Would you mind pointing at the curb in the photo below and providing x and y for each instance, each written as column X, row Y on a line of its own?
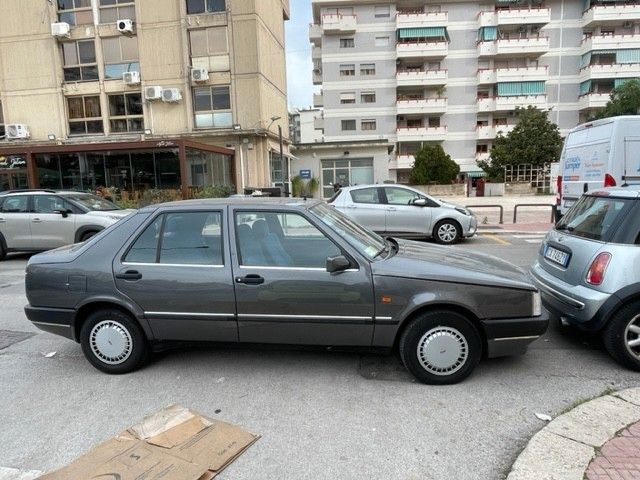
column 564, row 448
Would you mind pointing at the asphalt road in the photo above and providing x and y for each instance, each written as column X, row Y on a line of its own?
column 322, row 415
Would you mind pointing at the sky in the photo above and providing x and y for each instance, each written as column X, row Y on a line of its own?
column 299, row 64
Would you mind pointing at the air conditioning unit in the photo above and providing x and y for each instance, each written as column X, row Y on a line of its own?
column 171, row 95
column 199, row 74
column 16, row 131
column 60, row 30
column 131, row 78
column 125, row 25
column 153, row 93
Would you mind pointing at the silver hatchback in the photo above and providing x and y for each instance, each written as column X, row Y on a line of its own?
column 588, row 269
column 401, row 211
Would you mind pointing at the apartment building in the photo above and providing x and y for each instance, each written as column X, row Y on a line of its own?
column 411, row 72
column 142, row 94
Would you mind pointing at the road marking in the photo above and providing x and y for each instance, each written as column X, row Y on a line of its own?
column 536, row 241
column 496, row 239
column 529, row 236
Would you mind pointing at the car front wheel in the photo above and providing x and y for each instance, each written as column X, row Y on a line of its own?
column 447, row 232
column 440, row 347
column 113, row 342
column 87, row 236
column 622, row 336
column 2, row 252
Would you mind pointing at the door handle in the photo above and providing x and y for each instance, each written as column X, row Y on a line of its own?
column 251, row 279
column 351, row 206
column 391, row 209
column 36, row 220
column 130, row 275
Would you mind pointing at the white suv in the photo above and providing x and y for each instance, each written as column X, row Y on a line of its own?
column 36, row 220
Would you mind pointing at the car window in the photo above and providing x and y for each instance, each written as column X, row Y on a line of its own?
column 48, row 204
column 400, row 196
column 92, row 202
column 594, row 217
column 187, row 238
column 365, row 195
column 278, row 239
column 16, row 204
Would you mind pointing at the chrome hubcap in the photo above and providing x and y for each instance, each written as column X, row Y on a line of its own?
column 632, row 336
column 111, row 342
column 443, row 351
column 447, row 232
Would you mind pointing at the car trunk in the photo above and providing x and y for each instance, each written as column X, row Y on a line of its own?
column 581, row 252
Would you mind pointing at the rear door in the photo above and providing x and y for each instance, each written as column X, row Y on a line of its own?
column 49, row 228
column 15, row 224
column 402, row 216
column 365, row 206
column 178, row 270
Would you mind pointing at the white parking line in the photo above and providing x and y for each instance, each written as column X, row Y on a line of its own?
column 15, row 474
column 530, row 236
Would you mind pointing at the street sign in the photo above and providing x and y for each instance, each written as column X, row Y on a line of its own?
column 305, row 174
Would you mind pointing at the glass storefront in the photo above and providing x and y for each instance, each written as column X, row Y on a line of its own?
column 208, row 168
column 357, row 171
column 13, row 172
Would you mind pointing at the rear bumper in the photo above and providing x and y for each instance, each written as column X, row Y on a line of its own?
column 512, row 336
column 59, row 321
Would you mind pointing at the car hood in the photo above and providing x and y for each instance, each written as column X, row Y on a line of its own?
column 111, row 214
column 428, row 261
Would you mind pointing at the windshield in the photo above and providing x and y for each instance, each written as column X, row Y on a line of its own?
column 92, row 202
column 366, row 242
column 594, row 217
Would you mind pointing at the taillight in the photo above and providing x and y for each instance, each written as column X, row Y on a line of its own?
column 559, row 185
column 595, row 275
column 609, row 181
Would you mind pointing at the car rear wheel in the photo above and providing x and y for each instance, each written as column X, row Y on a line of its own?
column 622, row 336
column 86, row 236
column 440, row 347
column 113, row 342
column 447, row 232
column 2, row 252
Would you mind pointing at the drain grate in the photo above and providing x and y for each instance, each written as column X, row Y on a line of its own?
column 9, row 337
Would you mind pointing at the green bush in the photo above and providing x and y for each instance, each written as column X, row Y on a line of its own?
column 126, row 204
column 215, row 191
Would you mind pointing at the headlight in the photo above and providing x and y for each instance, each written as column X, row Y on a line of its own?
column 536, row 302
column 463, row 211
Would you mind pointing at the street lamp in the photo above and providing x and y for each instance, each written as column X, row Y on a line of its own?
column 273, row 119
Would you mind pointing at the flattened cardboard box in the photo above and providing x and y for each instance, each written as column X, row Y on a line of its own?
column 172, row 444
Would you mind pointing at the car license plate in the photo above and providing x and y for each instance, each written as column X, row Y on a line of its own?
column 556, row 256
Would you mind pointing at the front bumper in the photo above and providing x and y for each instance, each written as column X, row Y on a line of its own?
column 471, row 230
column 512, row 336
column 59, row 321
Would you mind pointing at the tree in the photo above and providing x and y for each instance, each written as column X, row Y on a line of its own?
column 433, row 165
column 625, row 100
column 534, row 140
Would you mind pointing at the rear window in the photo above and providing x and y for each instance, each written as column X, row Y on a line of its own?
column 595, row 217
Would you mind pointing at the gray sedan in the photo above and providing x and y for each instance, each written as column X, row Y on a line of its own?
column 402, row 211
column 279, row 271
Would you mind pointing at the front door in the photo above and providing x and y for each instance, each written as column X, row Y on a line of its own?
column 402, row 216
column 49, row 228
column 14, row 222
column 178, row 271
column 284, row 293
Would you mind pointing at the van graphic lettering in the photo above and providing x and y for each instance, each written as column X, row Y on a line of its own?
column 572, row 163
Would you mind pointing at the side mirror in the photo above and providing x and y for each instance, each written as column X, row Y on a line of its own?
column 337, row 264
column 420, row 202
column 63, row 212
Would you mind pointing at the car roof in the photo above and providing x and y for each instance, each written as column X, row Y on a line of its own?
column 630, row 191
column 37, row 191
column 374, row 185
column 244, row 201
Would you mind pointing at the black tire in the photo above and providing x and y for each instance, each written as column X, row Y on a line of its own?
column 447, row 232
column 118, row 329
column 2, row 252
column 456, row 331
column 616, row 336
column 86, row 236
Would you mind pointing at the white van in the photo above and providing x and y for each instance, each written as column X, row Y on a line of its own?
column 602, row 153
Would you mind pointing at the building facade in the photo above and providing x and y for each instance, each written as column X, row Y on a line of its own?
column 142, row 94
column 455, row 71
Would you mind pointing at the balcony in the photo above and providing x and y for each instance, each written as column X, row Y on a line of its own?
column 318, row 100
column 593, row 100
column 409, row 78
column 316, row 53
column 524, row 16
column 482, row 156
column 610, row 42
column 409, row 134
column 318, row 122
column 338, row 24
column 317, row 76
column 611, row 13
column 422, row 49
column 488, row 18
column 489, row 132
column 513, row 46
column 315, row 34
column 617, row 70
column 421, row 105
column 402, row 162
column 487, row 75
column 486, row 104
column 524, row 74
column 511, row 103
column 419, row 19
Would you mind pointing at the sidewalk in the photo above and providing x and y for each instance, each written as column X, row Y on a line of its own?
column 597, row 440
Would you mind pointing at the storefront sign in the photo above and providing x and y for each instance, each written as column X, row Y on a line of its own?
column 305, row 174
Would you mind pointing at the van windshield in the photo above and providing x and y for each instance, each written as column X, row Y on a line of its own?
column 595, row 217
